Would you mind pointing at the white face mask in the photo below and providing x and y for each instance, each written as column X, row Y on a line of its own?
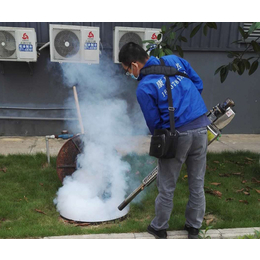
column 132, row 75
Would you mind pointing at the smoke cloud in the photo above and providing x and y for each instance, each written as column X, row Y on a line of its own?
column 94, row 191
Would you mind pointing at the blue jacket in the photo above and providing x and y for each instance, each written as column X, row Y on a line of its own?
column 186, row 93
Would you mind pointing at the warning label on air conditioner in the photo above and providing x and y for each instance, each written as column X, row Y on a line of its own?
column 26, row 47
column 90, row 46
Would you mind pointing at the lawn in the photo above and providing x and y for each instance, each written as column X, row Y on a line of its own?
column 28, row 186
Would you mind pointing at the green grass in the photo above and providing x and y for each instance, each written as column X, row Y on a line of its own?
column 29, row 185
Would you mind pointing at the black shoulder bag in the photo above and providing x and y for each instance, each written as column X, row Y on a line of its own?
column 164, row 142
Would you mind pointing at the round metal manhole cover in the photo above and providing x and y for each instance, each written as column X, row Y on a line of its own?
column 67, row 157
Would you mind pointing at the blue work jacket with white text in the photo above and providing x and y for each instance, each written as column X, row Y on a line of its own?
column 186, row 94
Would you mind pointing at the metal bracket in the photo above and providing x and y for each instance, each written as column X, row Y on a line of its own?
column 2, row 68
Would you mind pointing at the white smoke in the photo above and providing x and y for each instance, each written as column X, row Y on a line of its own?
column 94, row 191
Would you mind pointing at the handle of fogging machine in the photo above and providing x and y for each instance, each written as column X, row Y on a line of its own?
column 145, row 183
column 131, row 197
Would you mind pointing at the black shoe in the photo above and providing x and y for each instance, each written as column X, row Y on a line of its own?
column 161, row 234
column 193, row 232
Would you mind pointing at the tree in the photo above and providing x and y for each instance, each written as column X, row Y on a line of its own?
column 239, row 63
column 172, row 36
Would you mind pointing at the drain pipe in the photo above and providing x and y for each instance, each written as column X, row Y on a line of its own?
column 47, row 137
column 44, row 46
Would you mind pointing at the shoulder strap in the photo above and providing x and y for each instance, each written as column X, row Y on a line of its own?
column 170, row 102
column 166, row 71
column 162, row 69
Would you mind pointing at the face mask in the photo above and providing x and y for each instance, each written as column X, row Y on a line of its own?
column 133, row 76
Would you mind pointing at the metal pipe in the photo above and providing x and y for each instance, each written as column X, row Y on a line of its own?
column 78, row 109
column 39, row 108
column 45, row 45
column 47, row 137
column 38, row 118
column 47, row 150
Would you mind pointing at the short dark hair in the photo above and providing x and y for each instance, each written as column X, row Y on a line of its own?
column 132, row 52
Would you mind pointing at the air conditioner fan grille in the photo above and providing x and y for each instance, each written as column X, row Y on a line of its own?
column 7, row 44
column 67, row 43
column 130, row 37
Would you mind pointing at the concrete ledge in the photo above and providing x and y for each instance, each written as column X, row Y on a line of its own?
column 213, row 233
column 96, row 236
column 179, row 234
column 236, row 232
column 143, row 235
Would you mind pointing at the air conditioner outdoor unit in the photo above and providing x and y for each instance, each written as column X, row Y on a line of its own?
column 69, row 43
column 123, row 35
column 18, row 44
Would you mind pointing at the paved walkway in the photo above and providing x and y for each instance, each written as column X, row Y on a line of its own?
column 140, row 145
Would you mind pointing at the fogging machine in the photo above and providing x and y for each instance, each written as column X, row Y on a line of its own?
column 219, row 116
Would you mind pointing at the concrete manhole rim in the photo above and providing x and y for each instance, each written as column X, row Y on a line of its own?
column 110, row 221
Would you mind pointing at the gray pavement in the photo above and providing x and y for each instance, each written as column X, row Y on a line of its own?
column 140, row 145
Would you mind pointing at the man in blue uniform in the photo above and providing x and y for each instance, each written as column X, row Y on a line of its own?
column 190, row 122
